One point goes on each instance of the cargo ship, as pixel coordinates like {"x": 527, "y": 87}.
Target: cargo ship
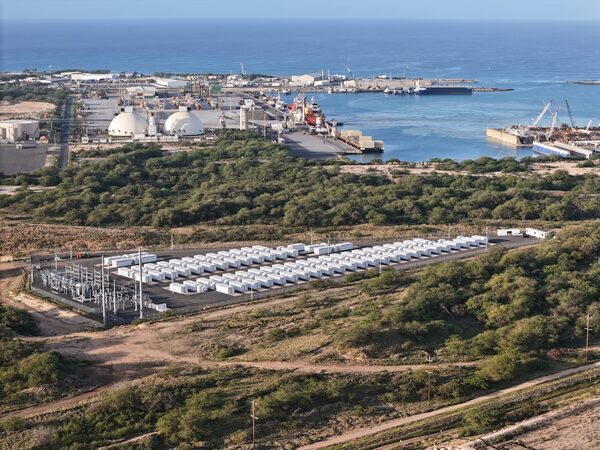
{"x": 313, "y": 114}
{"x": 309, "y": 113}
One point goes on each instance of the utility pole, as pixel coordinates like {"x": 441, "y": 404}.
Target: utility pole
{"x": 587, "y": 334}
{"x": 487, "y": 239}
{"x": 103, "y": 293}
{"x": 71, "y": 251}
{"x": 140, "y": 266}
{"x": 253, "y": 415}
{"x": 30, "y": 270}
{"x": 429, "y": 360}
{"x": 172, "y": 244}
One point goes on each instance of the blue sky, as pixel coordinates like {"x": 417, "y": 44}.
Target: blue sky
{"x": 570, "y": 10}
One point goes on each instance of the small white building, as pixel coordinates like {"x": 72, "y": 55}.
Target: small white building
{"x": 509, "y": 232}
{"x": 539, "y": 234}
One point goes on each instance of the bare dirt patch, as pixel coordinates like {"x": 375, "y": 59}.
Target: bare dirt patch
{"x": 26, "y": 109}
{"x": 570, "y": 167}
{"x": 427, "y": 169}
{"x": 23, "y": 238}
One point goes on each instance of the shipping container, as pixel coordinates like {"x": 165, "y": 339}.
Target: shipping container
{"x": 156, "y": 275}
{"x": 276, "y": 278}
{"x": 121, "y": 262}
{"x": 177, "y": 288}
{"x": 238, "y": 286}
{"x": 169, "y": 274}
{"x": 210, "y": 284}
{"x": 124, "y": 272}
{"x": 344, "y": 246}
{"x": 224, "y": 288}
{"x": 263, "y": 280}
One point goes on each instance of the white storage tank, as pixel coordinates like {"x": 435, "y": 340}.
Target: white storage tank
{"x": 184, "y": 122}
{"x": 128, "y": 124}
{"x": 19, "y": 130}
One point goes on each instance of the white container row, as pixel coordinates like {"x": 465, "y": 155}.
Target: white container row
{"x": 130, "y": 259}
{"x": 134, "y": 274}
{"x": 326, "y": 249}
{"x": 334, "y": 264}
{"x": 188, "y": 287}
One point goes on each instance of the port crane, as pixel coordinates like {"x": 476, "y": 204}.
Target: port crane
{"x": 570, "y": 114}
{"x": 554, "y": 118}
{"x": 540, "y": 115}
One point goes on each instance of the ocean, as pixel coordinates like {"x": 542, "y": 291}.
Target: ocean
{"x": 536, "y": 59}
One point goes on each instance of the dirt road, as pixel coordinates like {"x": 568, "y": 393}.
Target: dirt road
{"x": 362, "y": 432}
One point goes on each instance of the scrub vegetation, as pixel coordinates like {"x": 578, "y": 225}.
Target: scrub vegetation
{"x": 29, "y": 374}
{"x": 242, "y": 180}
{"x": 505, "y": 306}
{"x": 195, "y": 408}
{"x": 38, "y": 93}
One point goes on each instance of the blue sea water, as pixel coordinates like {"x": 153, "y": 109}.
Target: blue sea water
{"x": 536, "y": 59}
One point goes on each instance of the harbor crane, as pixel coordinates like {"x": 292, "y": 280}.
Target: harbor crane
{"x": 570, "y": 114}
{"x": 541, "y": 115}
{"x": 554, "y": 118}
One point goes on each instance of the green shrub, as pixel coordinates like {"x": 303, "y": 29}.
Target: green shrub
{"x": 18, "y": 321}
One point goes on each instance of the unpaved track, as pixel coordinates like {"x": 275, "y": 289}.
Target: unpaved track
{"x": 362, "y": 432}
{"x": 60, "y": 404}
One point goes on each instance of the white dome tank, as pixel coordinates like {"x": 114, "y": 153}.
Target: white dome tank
{"x": 127, "y": 124}
{"x": 184, "y": 123}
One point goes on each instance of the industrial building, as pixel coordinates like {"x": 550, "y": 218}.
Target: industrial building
{"x": 144, "y": 91}
{"x": 19, "y": 130}
{"x": 171, "y": 83}
{"x": 306, "y": 80}
{"x": 82, "y": 76}
{"x": 128, "y": 124}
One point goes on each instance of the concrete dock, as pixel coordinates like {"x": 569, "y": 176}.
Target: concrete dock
{"x": 312, "y": 146}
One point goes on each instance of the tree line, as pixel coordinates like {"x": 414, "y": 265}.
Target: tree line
{"x": 244, "y": 180}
